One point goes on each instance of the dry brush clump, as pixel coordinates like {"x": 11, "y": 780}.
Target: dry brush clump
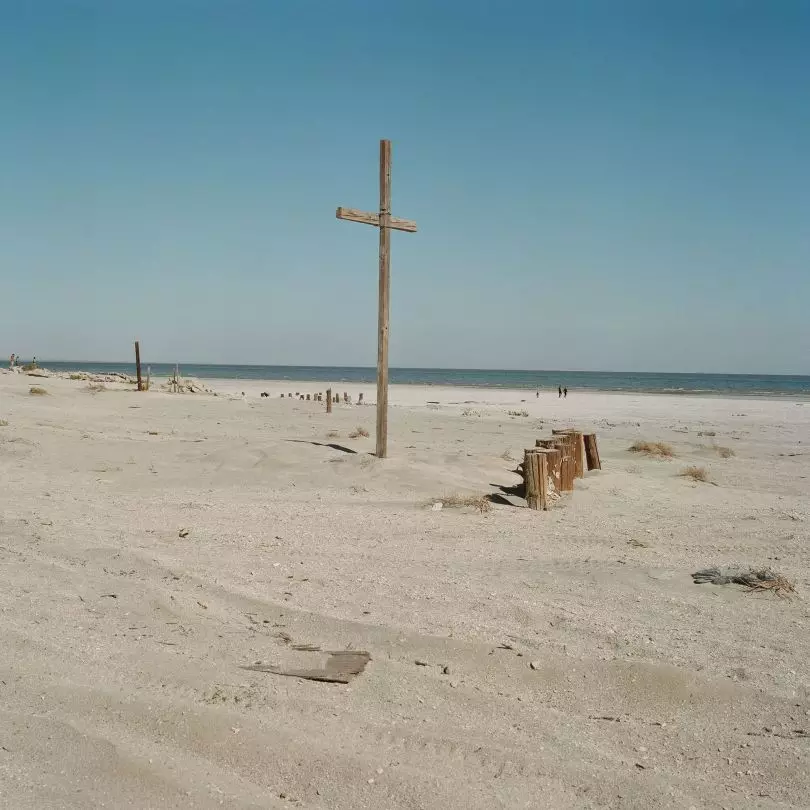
{"x": 480, "y": 502}
{"x": 653, "y": 449}
{"x": 3, "y": 422}
{"x": 517, "y": 413}
{"x": 96, "y": 388}
{"x": 359, "y": 432}
{"x": 724, "y": 452}
{"x": 36, "y": 391}
{"x": 699, "y": 474}
{"x": 333, "y": 434}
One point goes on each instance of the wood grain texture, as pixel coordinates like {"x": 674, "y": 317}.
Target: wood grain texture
{"x": 384, "y": 302}
{"x": 370, "y": 218}
{"x": 592, "y": 452}
{"x": 535, "y": 474}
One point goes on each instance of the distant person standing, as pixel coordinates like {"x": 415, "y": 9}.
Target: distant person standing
{"x": 565, "y": 393}
{"x": 559, "y": 392}
{"x": 34, "y": 361}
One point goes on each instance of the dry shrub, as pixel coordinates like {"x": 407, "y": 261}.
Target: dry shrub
{"x": 3, "y": 422}
{"x": 700, "y": 474}
{"x": 96, "y": 388}
{"x": 358, "y": 432}
{"x": 656, "y": 449}
{"x": 76, "y": 377}
{"x": 471, "y": 412}
{"x": 707, "y": 433}
{"x": 724, "y": 452}
{"x": 778, "y": 584}
{"x": 480, "y": 502}
{"x": 37, "y": 391}
{"x": 333, "y": 434}
{"x": 517, "y": 413}
{"x": 507, "y": 455}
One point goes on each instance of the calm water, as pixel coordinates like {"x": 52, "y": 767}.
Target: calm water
{"x": 740, "y": 384}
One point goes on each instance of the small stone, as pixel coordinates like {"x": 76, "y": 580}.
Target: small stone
{"x": 370, "y": 781}
{"x": 445, "y": 670}
{"x": 534, "y": 665}
{"x": 420, "y": 663}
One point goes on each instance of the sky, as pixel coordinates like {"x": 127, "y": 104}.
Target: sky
{"x": 598, "y": 185}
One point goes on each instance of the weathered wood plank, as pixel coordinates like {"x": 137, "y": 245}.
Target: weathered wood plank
{"x": 384, "y": 299}
{"x": 369, "y": 218}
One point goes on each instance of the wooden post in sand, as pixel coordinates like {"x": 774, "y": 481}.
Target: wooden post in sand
{"x": 329, "y": 400}
{"x": 385, "y": 222}
{"x": 554, "y": 456}
{"x": 577, "y": 448}
{"x": 148, "y": 377}
{"x": 138, "y": 364}
{"x": 535, "y": 474}
{"x": 592, "y": 452}
{"x": 564, "y": 444}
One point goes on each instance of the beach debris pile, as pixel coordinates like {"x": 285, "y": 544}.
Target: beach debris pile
{"x": 755, "y": 579}
{"x": 186, "y": 385}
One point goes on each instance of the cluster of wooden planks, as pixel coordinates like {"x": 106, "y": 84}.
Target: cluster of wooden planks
{"x": 550, "y": 468}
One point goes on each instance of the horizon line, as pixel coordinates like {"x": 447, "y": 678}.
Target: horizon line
{"x": 432, "y": 368}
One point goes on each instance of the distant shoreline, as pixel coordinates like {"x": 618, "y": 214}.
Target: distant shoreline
{"x": 749, "y": 386}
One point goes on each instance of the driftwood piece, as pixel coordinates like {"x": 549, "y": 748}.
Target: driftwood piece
{"x": 340, "y": 667}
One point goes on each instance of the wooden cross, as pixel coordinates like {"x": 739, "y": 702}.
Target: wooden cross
{"x": 385, "y": 222}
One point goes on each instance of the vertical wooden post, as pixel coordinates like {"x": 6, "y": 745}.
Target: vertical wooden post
{"x": 592, "y": 452}
{"x": 577, "y": 448}
{"x": 138, "y": 364}
{"x": 329, "y": 400}
{"x": 384, "y": 299}
{"x": 535, "y": 473}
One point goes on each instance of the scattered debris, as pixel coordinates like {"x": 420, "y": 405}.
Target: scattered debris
{"x": 359, "y": 432}
{"x": 763, "y": 579}
{"x": 340, "y": 667}
{"x": 183, "y": 533}
{"x": 109, "y": 596}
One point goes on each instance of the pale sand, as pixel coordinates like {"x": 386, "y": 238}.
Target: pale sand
{"x": 137, "y": 700}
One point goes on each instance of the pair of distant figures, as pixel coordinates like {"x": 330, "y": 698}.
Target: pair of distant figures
{"x": 561, "y": 393}
{"x": 14, "y": 360}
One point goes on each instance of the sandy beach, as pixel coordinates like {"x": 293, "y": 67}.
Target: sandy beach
{"x": 153, "y": 544}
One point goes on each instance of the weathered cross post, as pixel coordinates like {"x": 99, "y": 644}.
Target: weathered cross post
{"x": 385, "y": 222}
{"x": 138, "y": 364}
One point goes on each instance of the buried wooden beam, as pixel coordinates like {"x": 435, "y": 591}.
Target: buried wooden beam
{"x": 592, "y": 452}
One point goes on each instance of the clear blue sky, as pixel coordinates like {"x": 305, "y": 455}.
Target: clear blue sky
{"x": 598, "y": 185}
